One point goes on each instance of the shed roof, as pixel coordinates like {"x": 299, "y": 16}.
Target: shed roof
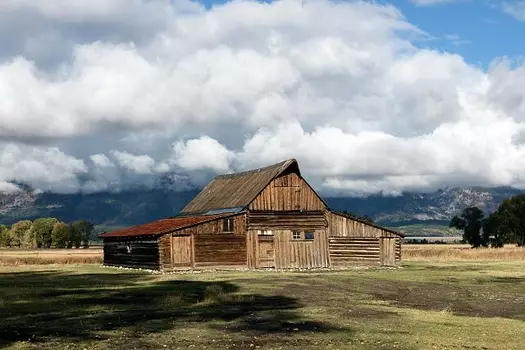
{"x": 237, "y": 190}
{"x": 163, "y": 226}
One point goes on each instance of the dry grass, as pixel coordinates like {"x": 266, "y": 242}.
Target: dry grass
{"x": 459, "y": 252}
{"x": 10, "y": 257}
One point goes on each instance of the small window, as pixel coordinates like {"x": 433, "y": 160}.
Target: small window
{"x": 296, "y": 235}
{"x": 265, "y": 233}
{"x": 227, "y": 225}
{"x": 128, "y": 248}
{"x": 309, "y": 235}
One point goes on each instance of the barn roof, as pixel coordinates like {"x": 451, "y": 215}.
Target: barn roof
{"x": 237, "y": 190}
{"x": 163, "y": 226}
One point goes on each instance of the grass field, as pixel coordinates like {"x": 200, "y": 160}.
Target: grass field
{"x": 50, "y": 256}
{"x": 421, "y": 305}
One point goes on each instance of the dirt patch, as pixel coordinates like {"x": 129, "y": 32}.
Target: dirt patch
{"x": 475, "y": 300}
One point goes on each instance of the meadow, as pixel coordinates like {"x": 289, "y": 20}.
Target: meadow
{"x": 437, "y": 303}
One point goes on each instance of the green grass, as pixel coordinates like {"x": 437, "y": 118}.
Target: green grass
{"x": 418, "y": 306}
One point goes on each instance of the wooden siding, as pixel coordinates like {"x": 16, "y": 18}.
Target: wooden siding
{"x": 215, "y": 227}
{"x": 221, "y": 250}
{"x": 137, "y": 252}
{"x": 341, "y": 226}
{"x": 287, "y": 192}
{"x": 266, "y": 220}
{"x": 347, "y": 251}
{"x": 289, "y": 253}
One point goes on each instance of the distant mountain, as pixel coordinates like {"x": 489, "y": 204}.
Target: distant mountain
{"x": 142, "y": 205}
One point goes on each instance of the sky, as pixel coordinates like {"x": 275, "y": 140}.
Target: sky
{"x": 369, "y": 96}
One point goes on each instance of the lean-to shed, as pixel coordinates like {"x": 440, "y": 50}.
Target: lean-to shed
{"x": 263, "y": 218}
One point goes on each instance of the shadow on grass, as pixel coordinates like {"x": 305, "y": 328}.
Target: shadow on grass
{"x": 53, "y": 306}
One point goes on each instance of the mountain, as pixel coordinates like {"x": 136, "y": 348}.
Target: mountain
{"x": 142, "y": 205}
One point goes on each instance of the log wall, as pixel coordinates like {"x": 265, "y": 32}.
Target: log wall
{"x": 346, "y": 251}
{"x": 287, "y": 192}
{"x": 132, "y": 252}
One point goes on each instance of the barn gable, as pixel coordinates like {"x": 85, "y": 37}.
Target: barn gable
{"x": 252, "y": 189}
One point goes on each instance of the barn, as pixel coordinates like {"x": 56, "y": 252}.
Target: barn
{"x": 262, "y": 218}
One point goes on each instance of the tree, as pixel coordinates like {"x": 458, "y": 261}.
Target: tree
{"x": 42, "y": 231}
{"x": 20, "y": 234}
{"x": 82, "y": 231}
{"x": 4, "y": 236}
{"x": 471, "y": 222}
{"x": 513, "y": 209}
{"x": 60, "y": 234}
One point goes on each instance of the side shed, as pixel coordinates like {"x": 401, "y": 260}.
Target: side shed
{"x": 352, "y": 241}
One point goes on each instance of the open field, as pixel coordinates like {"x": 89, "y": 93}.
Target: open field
{"x": 459, "y": 252}
{"x": 50, "y": 256}
{"x": 411, "y": 252}
{"x": 422, "y": 305}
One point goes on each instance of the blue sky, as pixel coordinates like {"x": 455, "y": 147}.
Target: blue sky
{"x": 485, "y": 31}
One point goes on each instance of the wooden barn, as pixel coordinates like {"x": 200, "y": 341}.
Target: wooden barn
{"x": 263, "y": 218}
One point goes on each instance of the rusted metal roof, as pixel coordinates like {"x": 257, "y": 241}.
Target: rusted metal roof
{"x": 162, "y": 226}
{"x": 236, "y": 190}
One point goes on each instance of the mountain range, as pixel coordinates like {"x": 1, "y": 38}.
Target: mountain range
{"x": 142, "y": 205}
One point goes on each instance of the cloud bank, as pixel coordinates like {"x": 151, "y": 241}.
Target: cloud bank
{"x": 94, "y": 96}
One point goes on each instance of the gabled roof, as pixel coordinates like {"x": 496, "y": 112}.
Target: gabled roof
{"x": 237, "y": 190}
{"x": 163, "y": 226}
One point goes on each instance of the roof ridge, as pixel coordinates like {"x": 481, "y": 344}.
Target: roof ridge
{"x": 251, "y": 171}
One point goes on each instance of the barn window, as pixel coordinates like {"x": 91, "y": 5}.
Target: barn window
{"x": 227, "y": 225}
{"x": 308, "y": 235}
{"x": 296, "y": 235}
{"x": 128, "y": 248}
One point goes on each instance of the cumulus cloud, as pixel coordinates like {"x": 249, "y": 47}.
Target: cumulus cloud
{"x": 342, "y": 86}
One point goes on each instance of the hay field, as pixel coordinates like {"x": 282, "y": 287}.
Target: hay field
{"x": 50, "y": 256}
{"x": 460, "y": 252}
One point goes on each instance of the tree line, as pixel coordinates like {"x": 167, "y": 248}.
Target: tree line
{"x": 505, "y": 225}
{"x": 46, "y": 233}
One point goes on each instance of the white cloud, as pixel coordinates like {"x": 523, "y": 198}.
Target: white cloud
{"x": 141, "y": 164}
{"x": 44, "y": 168}
{"x": 515, "y": 8}
{"x": 342, "y": 86}
{"x": 202, "y": 153}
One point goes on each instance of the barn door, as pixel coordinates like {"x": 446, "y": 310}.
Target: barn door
{"x": 181, "y": 251}
{"x": 266, "y": 251}
{"x": 388, "y": 251}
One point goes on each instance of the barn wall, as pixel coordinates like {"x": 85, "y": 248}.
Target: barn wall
{"x": 263, "y": 220}
{"x": 220, "y": 250}
{"x": 347, "y": 251}
{"x": 132, "y": 252}
{"x": 205, "y": 245}
{"x": 288, "y": 253}
{"x": 353, "y": 242}
{"x": 341, "y": 226}
{"x": 215, "y": 227}
{"x": 287, "y": 192}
